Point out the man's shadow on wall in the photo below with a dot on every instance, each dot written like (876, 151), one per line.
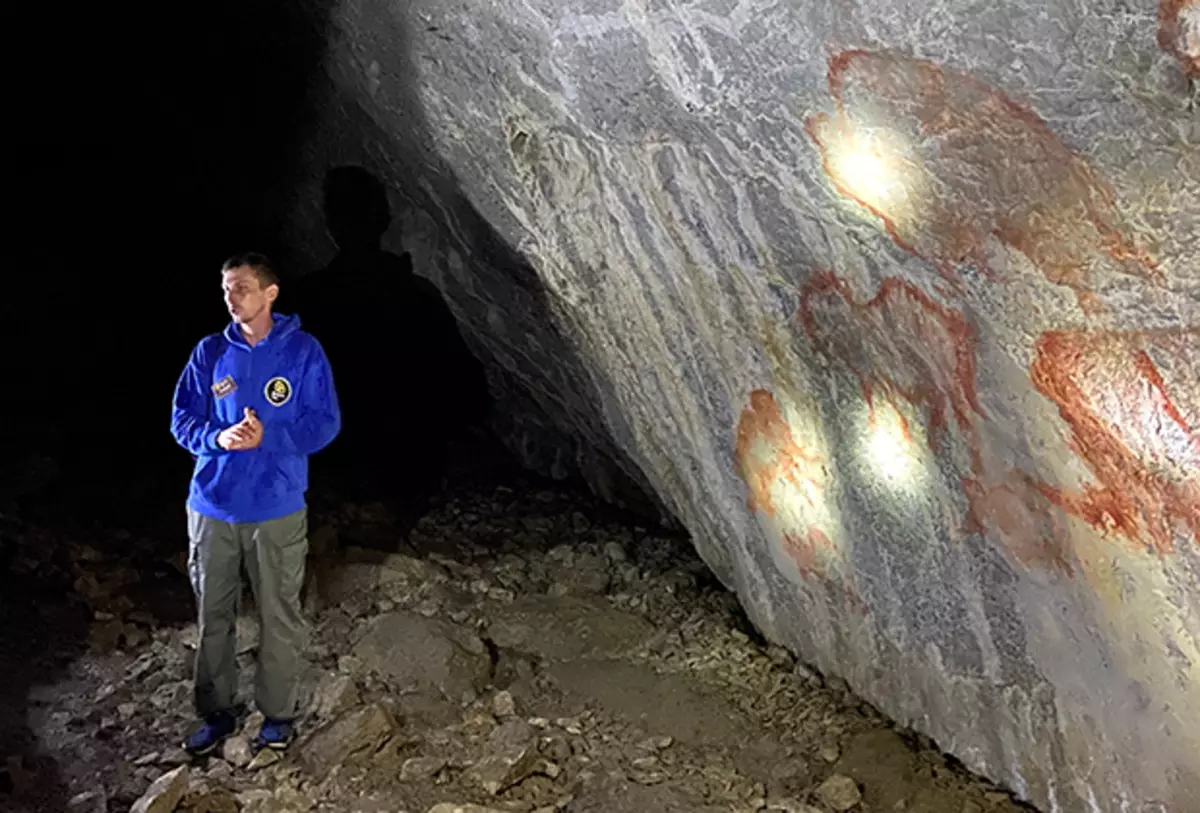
(407, 384)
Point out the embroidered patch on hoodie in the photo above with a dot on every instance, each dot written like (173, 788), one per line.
(223, 387)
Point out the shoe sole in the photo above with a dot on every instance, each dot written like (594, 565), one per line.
(273, 745)
(203, 752)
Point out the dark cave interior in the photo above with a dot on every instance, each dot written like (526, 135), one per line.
(149, 151)
(149, 148)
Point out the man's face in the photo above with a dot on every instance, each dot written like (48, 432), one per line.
(245, 297)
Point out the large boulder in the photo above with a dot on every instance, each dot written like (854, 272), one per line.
(416, 653)
(567, 628)
(895, 306)
(361, 731)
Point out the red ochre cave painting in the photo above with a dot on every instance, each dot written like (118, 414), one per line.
(1018, 513)
(1176, 37)
(899, 343)
(1139, 446)
(947, 161)
(763, 428)
(767, 454)
(1136, 440)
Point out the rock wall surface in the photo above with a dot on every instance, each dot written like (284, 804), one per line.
(895, 306)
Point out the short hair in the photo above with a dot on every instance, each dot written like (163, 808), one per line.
(262, 266)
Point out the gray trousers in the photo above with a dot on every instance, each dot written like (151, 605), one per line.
(273, 554)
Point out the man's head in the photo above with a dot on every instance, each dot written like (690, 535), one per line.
(251, 286)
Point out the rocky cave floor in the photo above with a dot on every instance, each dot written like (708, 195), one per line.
(519, 649)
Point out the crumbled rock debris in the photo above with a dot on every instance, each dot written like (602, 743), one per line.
(515, 651)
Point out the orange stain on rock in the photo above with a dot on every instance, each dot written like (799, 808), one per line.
(766, 454)
(899, 342)
(1140, 441)
(964, 162)
(1133, 422)
(1020, 515)
(1177, 37)
(810, 552)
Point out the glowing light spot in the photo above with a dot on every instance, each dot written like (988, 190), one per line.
(782, 458)
(889, 455)
(870, 170)
(957, 164)
(890, 449)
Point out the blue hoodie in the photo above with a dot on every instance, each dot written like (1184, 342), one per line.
(287, 381)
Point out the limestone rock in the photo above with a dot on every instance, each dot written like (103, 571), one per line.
(362, 730)
(419, 768)
(359, 571)
(171, 696)
(427, 707)
(582, 575)
(899, 324)
(503, 705)
(263, 759)
(164, 793)
(567, 628)
(254, 800)
(413, 651)
(839, 792)
(790, 806)
(90, 801)
(337, 582)
(512, 758)
(447, 807)
(334, 694)
(236, 751)
(203, 799)
(789, 776)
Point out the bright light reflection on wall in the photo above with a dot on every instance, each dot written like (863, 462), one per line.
(892, 449)
(799, 489)
(870, 168)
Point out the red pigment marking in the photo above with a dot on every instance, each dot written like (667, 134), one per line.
(766, 453)
(1029, 525)
(973, 163)
(763, 422)
(898, 342)
(809, 552)
(1171, 35)
(1134, 437)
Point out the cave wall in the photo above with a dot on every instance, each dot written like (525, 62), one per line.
(896, 307)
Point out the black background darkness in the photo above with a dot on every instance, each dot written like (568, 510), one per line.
(145, 146)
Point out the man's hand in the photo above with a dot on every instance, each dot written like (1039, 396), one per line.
(244, 435)
(254, 429)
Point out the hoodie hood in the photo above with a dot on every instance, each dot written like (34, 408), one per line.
(285, 324)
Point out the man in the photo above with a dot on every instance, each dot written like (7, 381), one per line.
(252, 404)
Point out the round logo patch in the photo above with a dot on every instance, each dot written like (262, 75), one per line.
(278, 391)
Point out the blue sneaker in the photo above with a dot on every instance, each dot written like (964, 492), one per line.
(275, 734)
(216, 728)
